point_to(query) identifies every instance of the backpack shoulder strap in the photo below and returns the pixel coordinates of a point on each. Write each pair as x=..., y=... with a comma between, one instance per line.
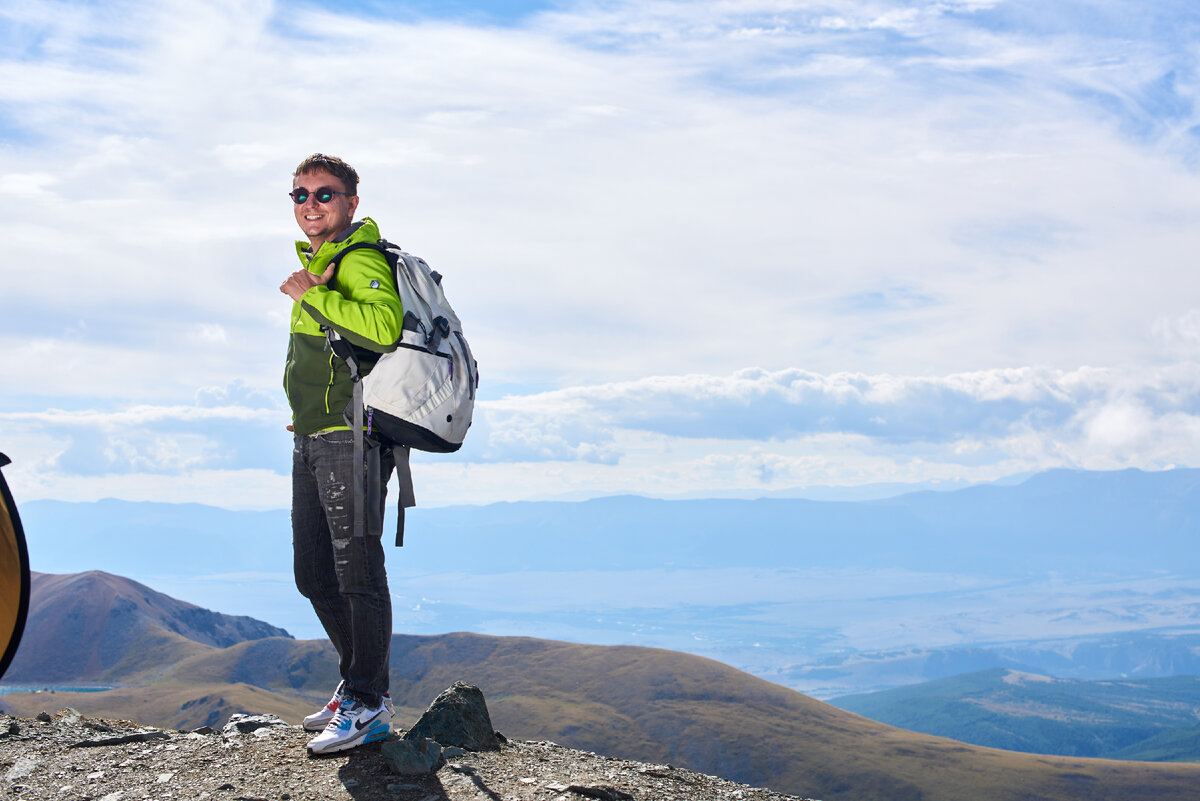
x=380, y=247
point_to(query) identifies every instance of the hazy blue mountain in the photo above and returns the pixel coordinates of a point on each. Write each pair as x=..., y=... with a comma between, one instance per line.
x=1142, y=719
x=1062, y=520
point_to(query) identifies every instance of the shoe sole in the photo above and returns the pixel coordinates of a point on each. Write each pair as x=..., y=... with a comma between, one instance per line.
x=366, y=737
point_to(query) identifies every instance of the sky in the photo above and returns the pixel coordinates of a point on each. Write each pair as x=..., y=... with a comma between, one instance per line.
x=697, y=247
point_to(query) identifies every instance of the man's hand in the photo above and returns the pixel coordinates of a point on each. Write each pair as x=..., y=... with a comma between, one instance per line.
x=301, y=281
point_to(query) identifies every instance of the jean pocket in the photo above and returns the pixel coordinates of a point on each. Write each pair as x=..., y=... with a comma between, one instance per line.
x=334, y=436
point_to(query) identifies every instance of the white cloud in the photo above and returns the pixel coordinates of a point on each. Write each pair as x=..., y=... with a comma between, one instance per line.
x=893, y=210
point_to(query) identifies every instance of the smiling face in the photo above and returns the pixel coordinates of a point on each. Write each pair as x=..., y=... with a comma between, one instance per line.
x=321, y=222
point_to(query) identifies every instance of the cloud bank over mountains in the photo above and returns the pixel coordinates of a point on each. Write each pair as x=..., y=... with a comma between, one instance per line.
x=696, y=245
x=755, y=430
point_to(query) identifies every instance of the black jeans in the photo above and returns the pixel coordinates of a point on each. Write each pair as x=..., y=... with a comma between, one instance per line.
x=342, y=575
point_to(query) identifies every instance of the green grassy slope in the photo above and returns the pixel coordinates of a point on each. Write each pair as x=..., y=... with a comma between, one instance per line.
x=1006, y=709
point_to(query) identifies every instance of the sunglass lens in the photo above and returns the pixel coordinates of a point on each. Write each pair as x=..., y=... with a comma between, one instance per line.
x=298, y=196
x=324, y=195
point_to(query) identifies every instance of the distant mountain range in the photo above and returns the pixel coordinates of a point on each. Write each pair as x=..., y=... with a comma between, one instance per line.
x=1148, y=719
x=643, y=703
x=1072, y=573
x=1061, y=520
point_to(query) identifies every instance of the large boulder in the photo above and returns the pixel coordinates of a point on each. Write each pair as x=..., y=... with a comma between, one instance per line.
x=459, y=716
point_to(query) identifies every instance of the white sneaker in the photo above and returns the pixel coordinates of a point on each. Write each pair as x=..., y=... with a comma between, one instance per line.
x=352, y=724
x=317, y=721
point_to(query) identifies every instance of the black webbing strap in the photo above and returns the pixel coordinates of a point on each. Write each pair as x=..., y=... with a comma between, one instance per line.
x=360, y=464
x=342, y=349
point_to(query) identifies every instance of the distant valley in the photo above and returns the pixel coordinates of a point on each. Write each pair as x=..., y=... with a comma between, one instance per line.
x=1070, y=573
x=174, y=667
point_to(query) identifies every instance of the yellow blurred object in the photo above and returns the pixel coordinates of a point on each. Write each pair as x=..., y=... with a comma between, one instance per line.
x=14, y=575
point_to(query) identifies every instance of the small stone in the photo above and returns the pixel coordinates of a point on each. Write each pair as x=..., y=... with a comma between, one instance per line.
x=97, y=775
x=204, y=730
x=527, y=780
x=226, y=786
x=452, y=751
x=21, y=768
x=163, y=778
x=113, y=796
x=556, y=787
x=348, y=783
x=44, y=716
x=13, y=728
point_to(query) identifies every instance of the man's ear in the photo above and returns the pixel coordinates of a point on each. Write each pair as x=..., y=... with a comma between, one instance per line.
x=353, y=205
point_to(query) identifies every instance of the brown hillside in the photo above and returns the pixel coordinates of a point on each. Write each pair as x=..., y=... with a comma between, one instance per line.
x=82, y=625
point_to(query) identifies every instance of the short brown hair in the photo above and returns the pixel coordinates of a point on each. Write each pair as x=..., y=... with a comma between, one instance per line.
x=332, y=165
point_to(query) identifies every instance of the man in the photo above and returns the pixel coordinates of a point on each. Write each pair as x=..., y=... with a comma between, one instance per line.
x=340, y=573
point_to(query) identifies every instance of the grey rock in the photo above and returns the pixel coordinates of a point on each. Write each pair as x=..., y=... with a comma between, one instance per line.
x=70, y=717
x=412, y=757
x=136, y=737
x=459, y=716
x=453, y=751
x=204, y=730
x=244, y=724
x=600, y=792
x=44, y=716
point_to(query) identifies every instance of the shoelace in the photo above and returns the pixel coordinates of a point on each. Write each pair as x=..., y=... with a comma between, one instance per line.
x=341, y=717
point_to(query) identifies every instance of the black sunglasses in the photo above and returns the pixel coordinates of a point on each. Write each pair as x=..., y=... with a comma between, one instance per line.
x=323, y=195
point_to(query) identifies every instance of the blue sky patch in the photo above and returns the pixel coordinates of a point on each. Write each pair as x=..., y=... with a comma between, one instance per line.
x=478, y=12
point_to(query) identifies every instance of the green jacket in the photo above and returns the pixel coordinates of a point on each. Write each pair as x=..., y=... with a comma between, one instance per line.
x=361, y=304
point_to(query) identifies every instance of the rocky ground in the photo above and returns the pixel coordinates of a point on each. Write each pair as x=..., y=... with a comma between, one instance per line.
x=69, y=757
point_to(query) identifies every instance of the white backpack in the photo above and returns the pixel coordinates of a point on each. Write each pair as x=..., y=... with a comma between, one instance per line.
x=422, y=394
